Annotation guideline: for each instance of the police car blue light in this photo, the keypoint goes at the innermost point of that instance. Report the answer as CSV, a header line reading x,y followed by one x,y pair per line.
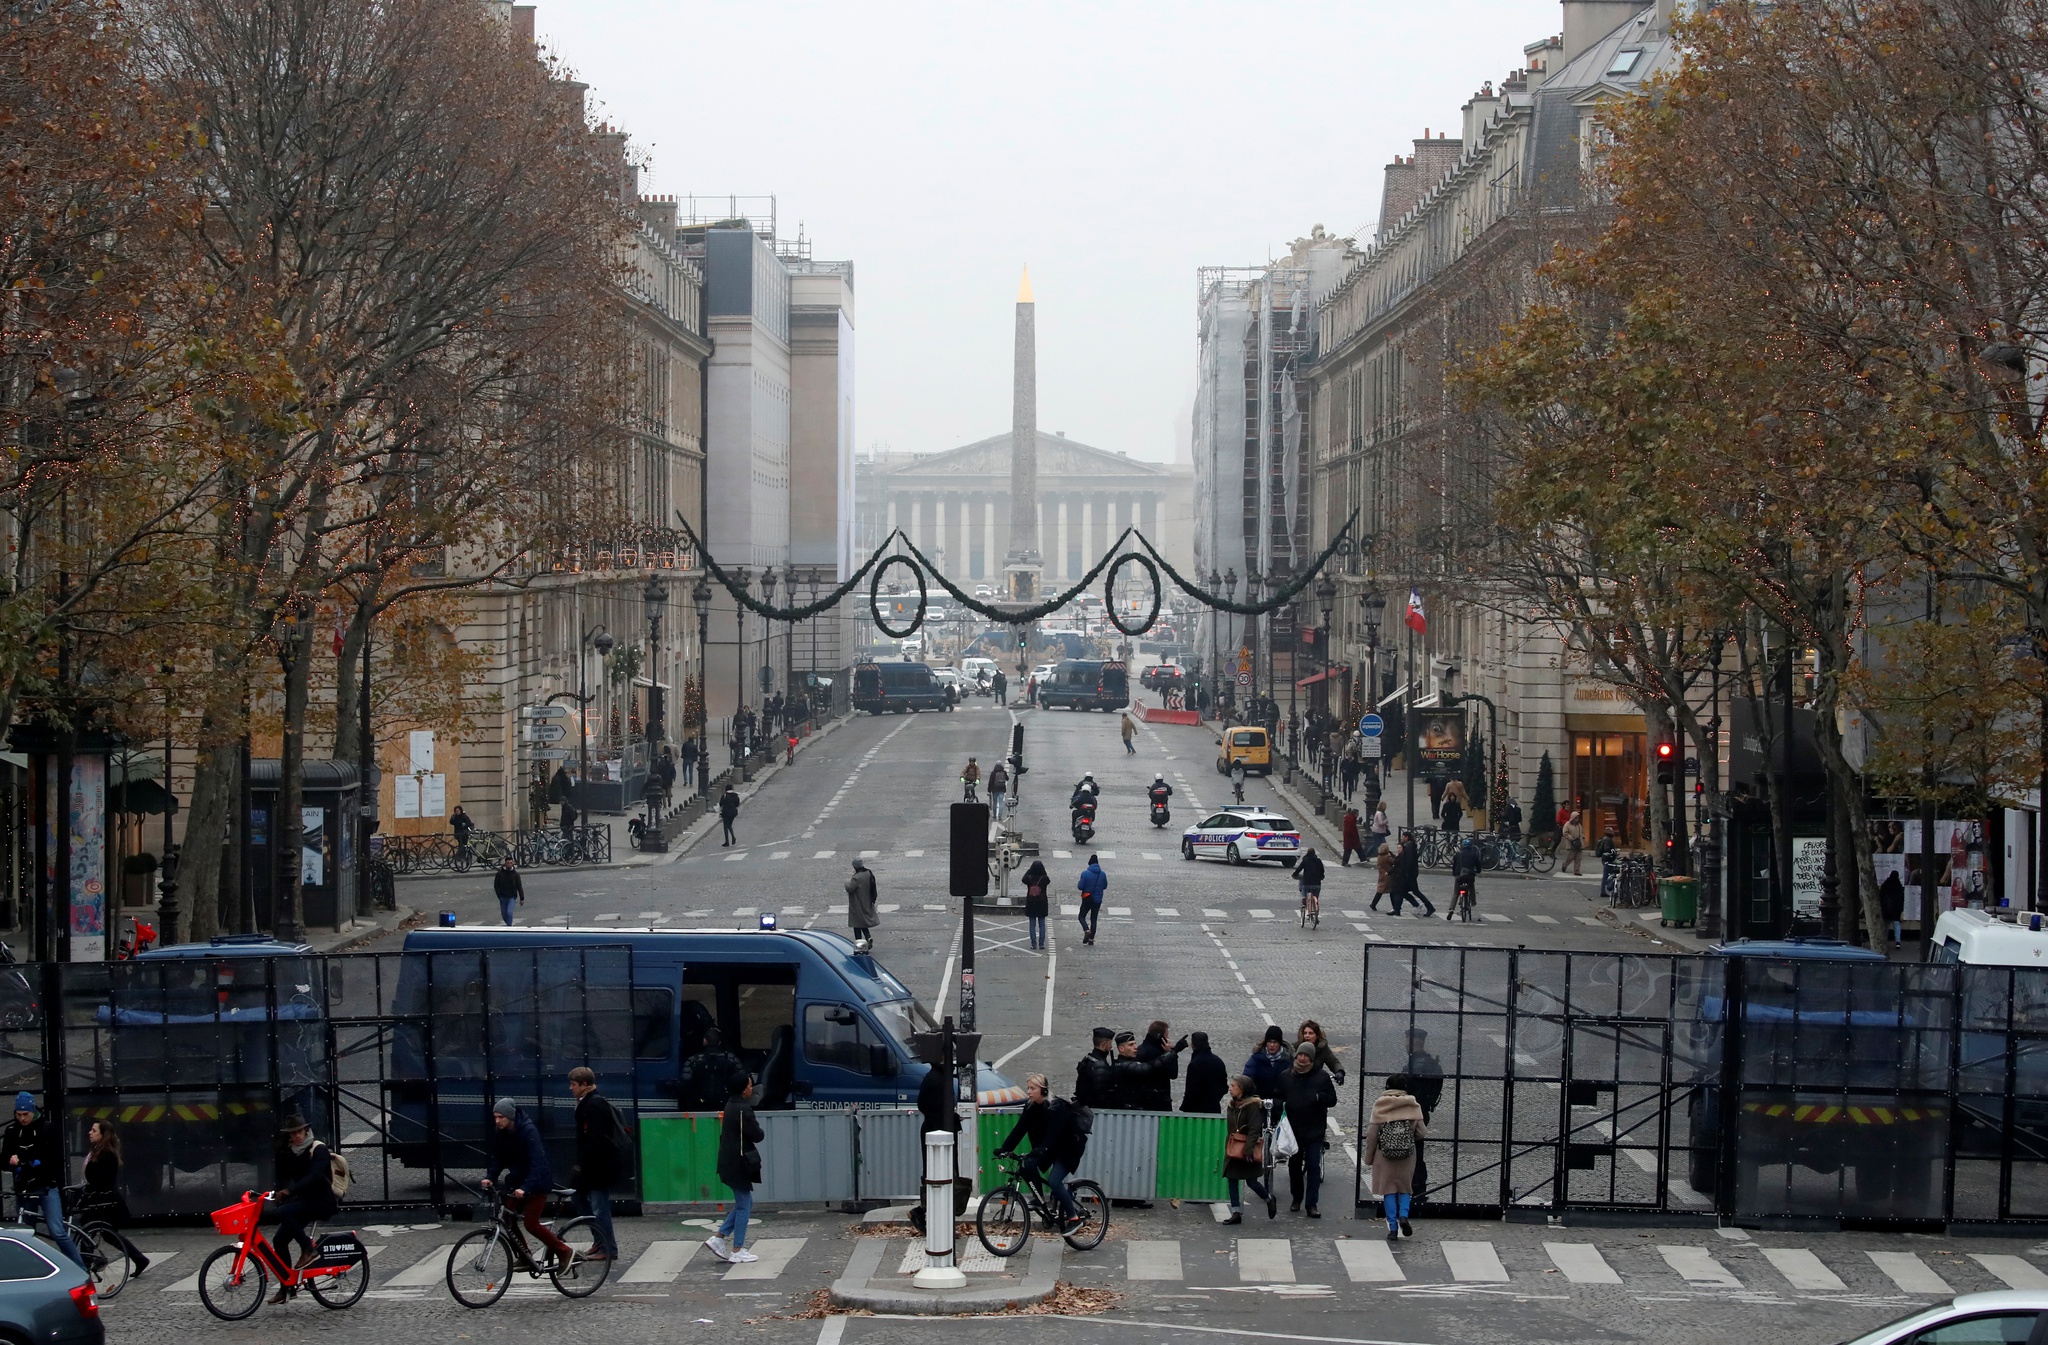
x,y
1242,835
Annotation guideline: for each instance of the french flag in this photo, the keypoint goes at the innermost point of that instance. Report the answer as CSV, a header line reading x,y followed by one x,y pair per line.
x,y
1417,621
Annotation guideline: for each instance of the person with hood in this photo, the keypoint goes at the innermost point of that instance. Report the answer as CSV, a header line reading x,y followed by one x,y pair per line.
x,y
1091,1074
739,1167
1037,901
1452,811
1244,1148
1158,1093
1306,1096
862,913
1891,903
1354,844
1268,1063
1308,881
1094,882
1393,1140
519,1164
1057,1144
1208,1080
728,811
509,887
33,1149
1134,1084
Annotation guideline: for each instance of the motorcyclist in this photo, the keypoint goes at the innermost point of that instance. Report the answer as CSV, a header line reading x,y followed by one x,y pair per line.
x,y
1087,791
971,779
1159,791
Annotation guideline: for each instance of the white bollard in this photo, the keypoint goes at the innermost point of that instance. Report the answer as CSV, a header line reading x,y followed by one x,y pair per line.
x,y
939,1271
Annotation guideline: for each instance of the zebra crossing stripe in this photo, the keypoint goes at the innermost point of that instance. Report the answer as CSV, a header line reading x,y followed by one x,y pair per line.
x,y
1581,1263
775,1254
2016,1271
1370,1262
661,1262
1803,1270
1475,1262
1910,1273
1697,1266
1265,1260
430,1269
1153,1260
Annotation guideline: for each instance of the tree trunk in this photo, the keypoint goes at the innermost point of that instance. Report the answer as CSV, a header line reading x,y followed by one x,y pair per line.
x,y
347,679
213,795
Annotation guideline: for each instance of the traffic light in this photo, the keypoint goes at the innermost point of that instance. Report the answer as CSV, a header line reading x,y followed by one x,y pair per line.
x,y
1667,763
1023,638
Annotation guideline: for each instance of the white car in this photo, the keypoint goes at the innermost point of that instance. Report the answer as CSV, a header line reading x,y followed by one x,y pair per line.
x,y
1242,835
2002,1315
949,677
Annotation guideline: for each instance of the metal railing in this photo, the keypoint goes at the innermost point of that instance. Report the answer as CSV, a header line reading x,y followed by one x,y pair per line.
x,y
532,848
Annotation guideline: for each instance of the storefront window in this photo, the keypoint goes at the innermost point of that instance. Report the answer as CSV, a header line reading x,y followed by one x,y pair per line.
x,y
1608,781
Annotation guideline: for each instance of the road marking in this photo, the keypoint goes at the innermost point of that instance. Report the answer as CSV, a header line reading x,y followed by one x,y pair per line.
x,y
1165,910
1370,1262
1475,1262
611,915
775,1254
1265,1260
1063,854
1489,915
824,854
1910,1273
661,1262
780,854
888,906
1208,914
1148,854
969,1256
1581,1263
650,915
1544,919
2016,1271
1354,915
1116,910
1105,854
746,910
1070,908
869,854
1697,1266
934,906
913,854
1803,1270
428,1270
1153,1260
1586,920
736,856
1258,914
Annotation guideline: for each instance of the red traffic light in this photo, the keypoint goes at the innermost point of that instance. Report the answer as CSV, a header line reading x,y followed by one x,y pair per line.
x,y
1664,751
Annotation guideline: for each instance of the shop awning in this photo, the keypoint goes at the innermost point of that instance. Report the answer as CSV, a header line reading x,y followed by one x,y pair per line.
x,y
1336,671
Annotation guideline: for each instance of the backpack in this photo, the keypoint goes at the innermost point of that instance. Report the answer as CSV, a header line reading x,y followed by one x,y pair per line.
x,y
624,1149
337,1174
1084,1120
1397,1139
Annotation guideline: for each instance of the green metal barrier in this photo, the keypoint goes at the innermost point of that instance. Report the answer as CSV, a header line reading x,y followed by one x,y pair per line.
x,y
1191,1158
679,1158
993,1127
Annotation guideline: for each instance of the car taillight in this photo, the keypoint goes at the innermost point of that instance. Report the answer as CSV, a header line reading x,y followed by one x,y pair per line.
x,y
86,1301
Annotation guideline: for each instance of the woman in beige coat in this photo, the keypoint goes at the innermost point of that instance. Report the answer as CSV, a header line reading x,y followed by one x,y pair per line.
x,y
1393,1178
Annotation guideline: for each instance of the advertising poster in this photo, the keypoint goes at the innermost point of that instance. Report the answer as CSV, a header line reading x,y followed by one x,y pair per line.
x,y
1809,862
88,821
1441,736
312,846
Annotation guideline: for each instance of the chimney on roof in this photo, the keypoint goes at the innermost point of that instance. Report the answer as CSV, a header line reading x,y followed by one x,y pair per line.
x,y
522,24
658,213
1397,196
1587,21
1479,113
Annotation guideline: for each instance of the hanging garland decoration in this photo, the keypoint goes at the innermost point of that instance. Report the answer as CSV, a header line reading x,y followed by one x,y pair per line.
x,y
1109,590
1274,603
875,597
1023,615
801,613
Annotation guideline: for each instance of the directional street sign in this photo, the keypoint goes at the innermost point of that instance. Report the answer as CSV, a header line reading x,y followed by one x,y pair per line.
x,y
549,754
1372,726
546,731
543,712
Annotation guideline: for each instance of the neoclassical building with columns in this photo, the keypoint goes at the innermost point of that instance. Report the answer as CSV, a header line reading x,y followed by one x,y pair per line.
x,y
955,505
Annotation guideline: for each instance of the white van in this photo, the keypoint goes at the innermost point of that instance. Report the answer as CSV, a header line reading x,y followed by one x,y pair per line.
x,y
977,668
1983,939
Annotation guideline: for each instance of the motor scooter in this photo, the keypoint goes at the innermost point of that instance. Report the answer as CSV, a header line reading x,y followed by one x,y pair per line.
x,y
1084,821
1160,815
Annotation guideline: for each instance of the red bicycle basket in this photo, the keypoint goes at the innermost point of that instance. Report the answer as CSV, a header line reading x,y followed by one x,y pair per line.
x,y
238,1220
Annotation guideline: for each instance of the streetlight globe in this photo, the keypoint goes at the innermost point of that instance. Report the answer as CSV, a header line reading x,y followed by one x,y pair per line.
x,y
701,598
655,596
603,643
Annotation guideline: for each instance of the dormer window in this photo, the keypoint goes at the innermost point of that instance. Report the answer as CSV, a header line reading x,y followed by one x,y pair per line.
x,y
1624,62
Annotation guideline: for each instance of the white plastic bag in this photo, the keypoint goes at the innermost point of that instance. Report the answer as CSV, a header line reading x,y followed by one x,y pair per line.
x,y
1285,1146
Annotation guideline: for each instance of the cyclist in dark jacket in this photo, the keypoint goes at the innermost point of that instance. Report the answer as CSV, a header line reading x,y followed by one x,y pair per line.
x,y
32,1148
1465,868
305,1188
1056,1143
520,1163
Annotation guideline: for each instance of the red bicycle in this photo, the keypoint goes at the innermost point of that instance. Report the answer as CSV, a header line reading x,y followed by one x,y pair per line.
x,y
233,1280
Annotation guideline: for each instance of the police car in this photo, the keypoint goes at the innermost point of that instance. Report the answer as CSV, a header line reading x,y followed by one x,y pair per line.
x,y
1242,835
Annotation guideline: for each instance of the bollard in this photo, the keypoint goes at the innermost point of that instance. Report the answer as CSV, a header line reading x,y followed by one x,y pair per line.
x,y
939,1271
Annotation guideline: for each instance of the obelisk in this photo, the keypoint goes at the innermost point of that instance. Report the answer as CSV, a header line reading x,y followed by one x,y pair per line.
x,y
1022,562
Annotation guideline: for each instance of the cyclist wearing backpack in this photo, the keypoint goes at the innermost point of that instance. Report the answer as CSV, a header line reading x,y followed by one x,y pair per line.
x,y
305,1194
1058,1132
1393,1141
603,1158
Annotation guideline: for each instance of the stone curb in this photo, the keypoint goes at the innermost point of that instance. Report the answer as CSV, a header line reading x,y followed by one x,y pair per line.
x,y
856,1288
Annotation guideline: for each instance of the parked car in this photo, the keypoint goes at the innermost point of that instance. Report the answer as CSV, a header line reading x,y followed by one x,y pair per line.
x,y
44,1296
2005,1315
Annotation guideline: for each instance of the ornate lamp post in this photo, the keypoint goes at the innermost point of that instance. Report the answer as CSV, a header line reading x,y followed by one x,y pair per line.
x,y
600,639
655,598
288,630
1326,599
739,669
768,578
1374,605
700,597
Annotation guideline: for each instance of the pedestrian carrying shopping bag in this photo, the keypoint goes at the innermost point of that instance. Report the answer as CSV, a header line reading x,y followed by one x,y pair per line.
x,y
1285,1146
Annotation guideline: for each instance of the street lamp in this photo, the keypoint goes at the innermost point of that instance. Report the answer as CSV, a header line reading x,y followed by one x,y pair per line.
x,y
739,670
1374,605
700,597
1326,599
1215,650
655,598
288,630
768,578
600,639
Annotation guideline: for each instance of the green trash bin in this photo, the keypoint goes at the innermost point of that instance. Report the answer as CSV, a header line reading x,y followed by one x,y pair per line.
x,y
1680,898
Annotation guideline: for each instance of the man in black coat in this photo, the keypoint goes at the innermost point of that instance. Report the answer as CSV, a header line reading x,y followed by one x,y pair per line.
x,y
1408,876
937,1109
1091,1075
1157,1092
728,811
305,1189
600,1145
1306,1096
1425,1075
1208,1078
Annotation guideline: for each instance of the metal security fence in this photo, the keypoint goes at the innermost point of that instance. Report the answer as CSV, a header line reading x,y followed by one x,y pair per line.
x,y
1909,1095
535,847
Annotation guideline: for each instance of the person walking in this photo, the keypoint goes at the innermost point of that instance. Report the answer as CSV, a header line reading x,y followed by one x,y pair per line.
x,y
1057,1144
33,1149
1158,1092
103,1200
689,760
862,912
1425,1083
1306,1096
739,1167
998,786
1452,811
1408,876
728,811
601,1162
510,887
1002,686
1386,864
1268,1063
1037,901
519,1164
1891,903
1380,829
1208,1081
1094,882
1574,844
1130,732
1393,1140
1354,844
1244,1148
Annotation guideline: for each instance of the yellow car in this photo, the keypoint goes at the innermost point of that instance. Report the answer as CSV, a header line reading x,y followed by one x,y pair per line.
x,y
1246,745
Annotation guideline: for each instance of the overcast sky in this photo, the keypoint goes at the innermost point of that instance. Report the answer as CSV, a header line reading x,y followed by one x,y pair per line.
x,y
1115,147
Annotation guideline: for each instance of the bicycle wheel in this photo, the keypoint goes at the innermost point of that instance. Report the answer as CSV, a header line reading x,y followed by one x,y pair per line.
x,y
1541,859
343,1289
1094,1216
480,1267
581,1278
1003,1223
459,861
226,1295
105,1256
